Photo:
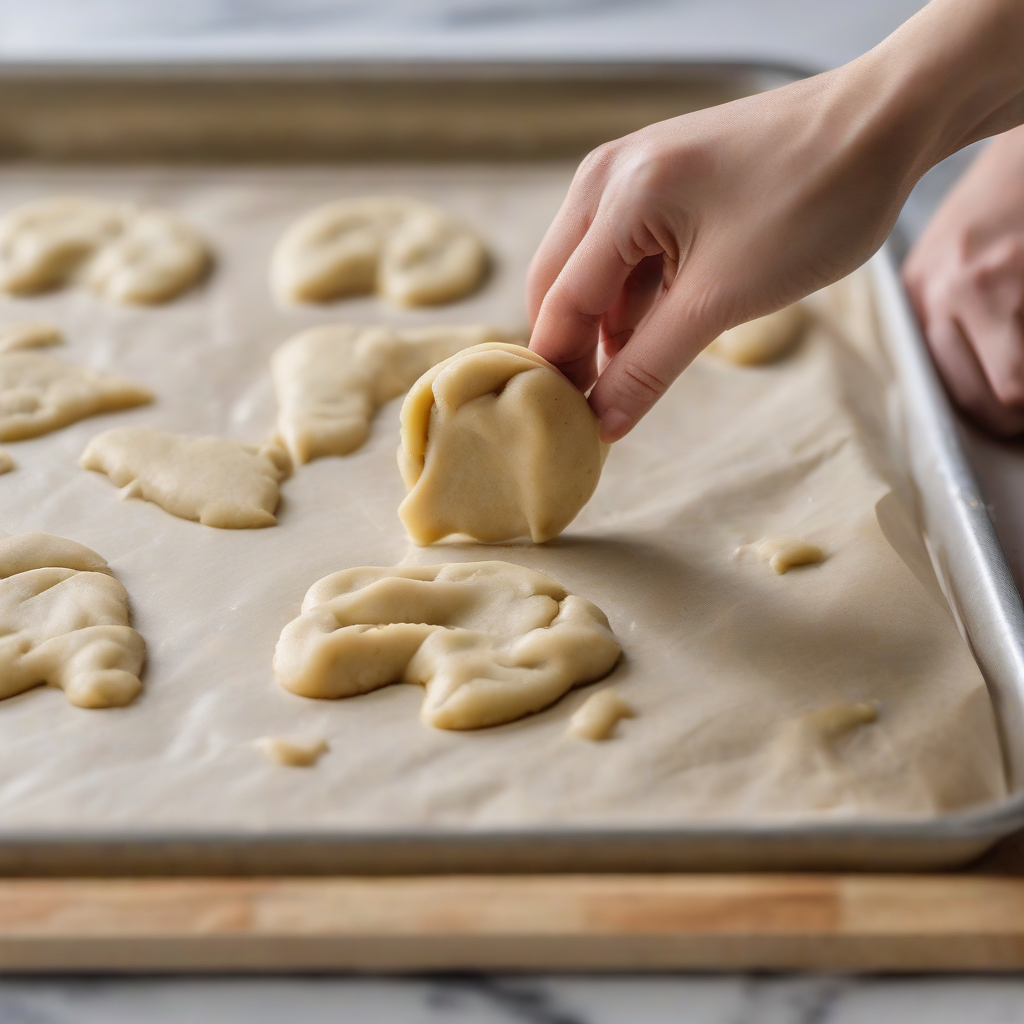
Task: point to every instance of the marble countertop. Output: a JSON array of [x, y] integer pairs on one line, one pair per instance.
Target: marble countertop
[[806, 32], [516, 1000]]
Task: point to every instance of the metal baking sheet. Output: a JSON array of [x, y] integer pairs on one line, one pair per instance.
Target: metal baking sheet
[[252, 115]]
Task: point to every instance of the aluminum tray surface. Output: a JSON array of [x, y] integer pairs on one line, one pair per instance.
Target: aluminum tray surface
[[98, 119]]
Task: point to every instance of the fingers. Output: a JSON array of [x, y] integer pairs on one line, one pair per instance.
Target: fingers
[[641, 290], [568, 325], [987, 299], [568, 228], [967, 382], [560, 240], [658, 351]]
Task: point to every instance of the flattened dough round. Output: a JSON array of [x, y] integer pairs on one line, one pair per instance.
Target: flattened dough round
[[411, 252], [763, 340], [496, 444], [39, 393], [124, 253], [331, 380], [490, 641], [64, 622], [216, 481]]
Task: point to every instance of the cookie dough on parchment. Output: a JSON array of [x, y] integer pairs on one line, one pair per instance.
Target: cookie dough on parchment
[[215, 480], [124, 253], [64, 622], [39, 393], [764, 340], [411, 252], [496, 444], [28, 334], [331, 380], [490, 641]]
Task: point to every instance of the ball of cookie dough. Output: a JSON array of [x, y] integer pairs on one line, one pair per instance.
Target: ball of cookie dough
[[413, 253], [496, 444]]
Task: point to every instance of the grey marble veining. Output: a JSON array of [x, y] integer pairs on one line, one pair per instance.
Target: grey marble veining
[[481, 1000]]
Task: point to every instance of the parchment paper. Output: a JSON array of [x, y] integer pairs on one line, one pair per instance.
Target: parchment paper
[[721, 654]]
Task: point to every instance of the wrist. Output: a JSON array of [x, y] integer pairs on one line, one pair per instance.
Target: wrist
[[951, 75]]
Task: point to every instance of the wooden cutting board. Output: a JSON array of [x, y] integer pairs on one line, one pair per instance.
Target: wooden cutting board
[[530, 923]]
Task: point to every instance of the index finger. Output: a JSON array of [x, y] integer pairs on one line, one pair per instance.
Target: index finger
[[567, 328]]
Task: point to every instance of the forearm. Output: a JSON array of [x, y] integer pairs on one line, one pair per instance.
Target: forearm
[[952, 74], [692, 225]]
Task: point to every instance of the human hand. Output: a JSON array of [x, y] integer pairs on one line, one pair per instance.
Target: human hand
[[693, 225], [965, 277]]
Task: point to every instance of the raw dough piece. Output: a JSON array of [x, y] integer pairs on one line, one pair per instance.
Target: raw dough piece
[[490, 641], [39, 393], [783, 553], [597, 716], [125, 253], [28, 334], [64, 622], [805, 756], [6, 462], [331, 380], [496, 444], [215, 480], [763, 340], [413, 253], [293, 751]]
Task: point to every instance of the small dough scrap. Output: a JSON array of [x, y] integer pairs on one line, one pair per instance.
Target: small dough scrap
[[411, 252], [6, 462], [39, 393], [764, 340], [598, 715], [294, 751], [64, 621], [124, 253], [28, 334], [214, 480], [806, 755], [331, 380], [783, 553], [490, 641], [496, 444], [830, 723]]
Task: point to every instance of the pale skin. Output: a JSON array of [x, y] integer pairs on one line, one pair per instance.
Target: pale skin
[[687, 227], [965, 276]]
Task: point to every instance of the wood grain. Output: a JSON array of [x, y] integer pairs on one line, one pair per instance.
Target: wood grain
[[581, 922]]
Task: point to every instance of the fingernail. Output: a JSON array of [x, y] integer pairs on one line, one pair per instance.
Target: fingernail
[[614, 424]]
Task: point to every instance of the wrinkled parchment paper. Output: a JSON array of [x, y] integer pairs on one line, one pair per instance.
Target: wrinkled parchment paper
[[722, 656]]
